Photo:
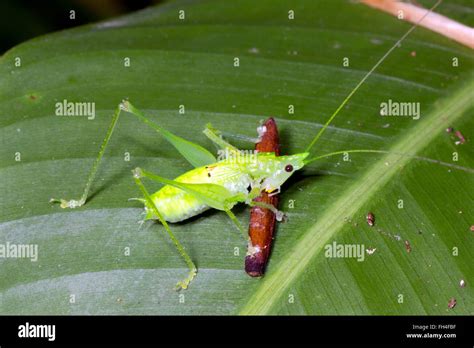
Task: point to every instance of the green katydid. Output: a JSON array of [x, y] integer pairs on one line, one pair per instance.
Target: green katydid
[[238, 178]]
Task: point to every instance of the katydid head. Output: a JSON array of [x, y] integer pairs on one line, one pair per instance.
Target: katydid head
[[282, 168]]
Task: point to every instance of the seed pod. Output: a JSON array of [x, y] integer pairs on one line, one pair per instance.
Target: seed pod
[[262, 221]]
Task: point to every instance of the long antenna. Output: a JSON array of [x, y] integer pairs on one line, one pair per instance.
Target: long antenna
[[421, 158], [344, 102]]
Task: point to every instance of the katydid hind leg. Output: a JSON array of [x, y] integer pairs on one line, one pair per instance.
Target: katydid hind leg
[[183, 284], [194, 153], [73, 203]]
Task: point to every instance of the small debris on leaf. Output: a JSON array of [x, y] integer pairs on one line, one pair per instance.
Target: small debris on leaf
[[461, 138], [408, 246], [370, 251], [370, 219], [462, 283], [452, 303]]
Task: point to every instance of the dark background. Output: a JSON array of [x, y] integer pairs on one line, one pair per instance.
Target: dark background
[[21, 20]]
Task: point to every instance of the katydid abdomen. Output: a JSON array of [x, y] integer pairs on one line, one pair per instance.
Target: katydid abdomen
[[176, 205]]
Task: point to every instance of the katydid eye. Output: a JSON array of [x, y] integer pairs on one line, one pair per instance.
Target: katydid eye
[[289, 168]]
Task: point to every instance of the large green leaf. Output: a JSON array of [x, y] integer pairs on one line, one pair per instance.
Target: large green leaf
[[191, 62]]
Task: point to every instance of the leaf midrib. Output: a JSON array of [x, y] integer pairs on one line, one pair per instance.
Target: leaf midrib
[[294, 262]]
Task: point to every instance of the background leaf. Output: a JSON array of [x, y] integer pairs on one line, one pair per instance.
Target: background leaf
[[282, 62]]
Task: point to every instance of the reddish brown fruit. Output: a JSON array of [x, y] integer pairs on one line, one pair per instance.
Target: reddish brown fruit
[[262, 221]]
